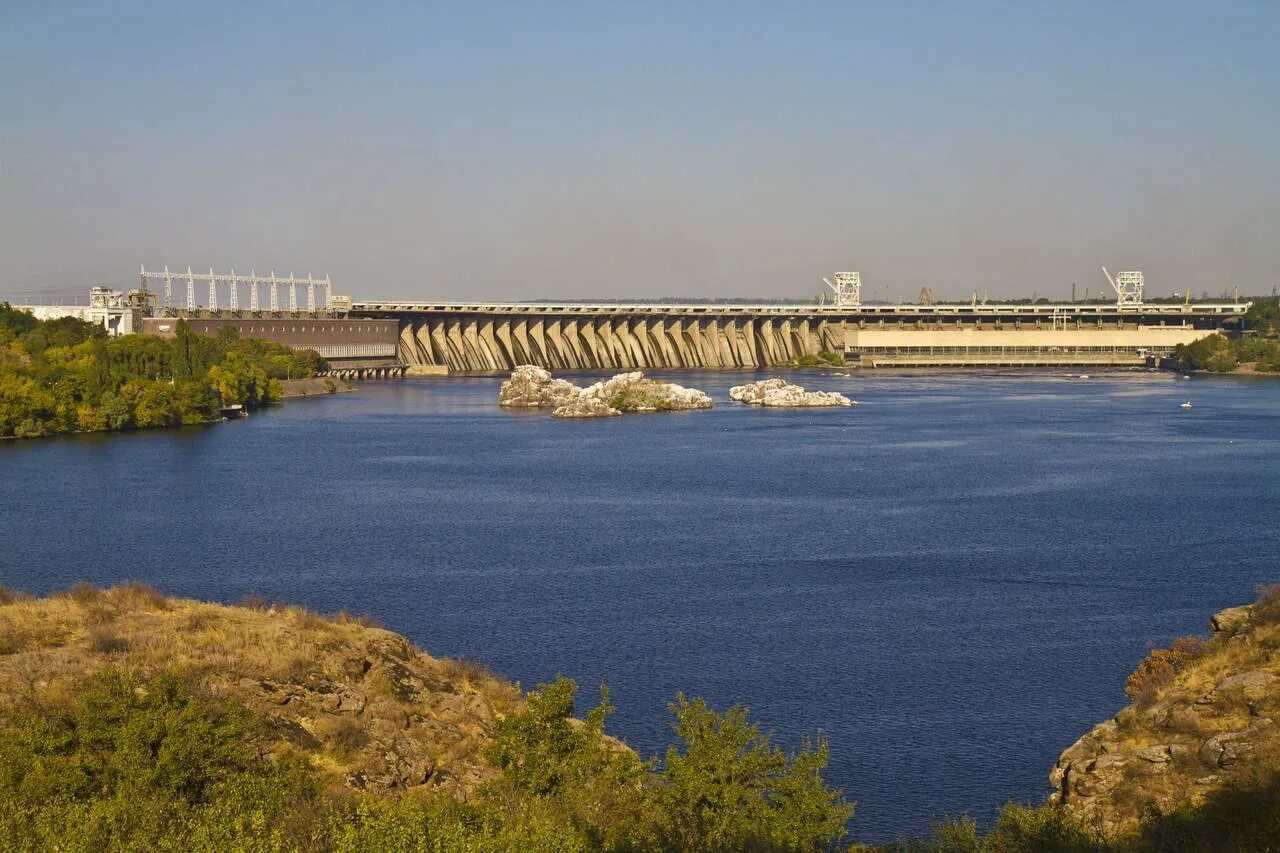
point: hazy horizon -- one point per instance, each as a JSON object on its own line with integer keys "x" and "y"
{"x": 502, "y": 151}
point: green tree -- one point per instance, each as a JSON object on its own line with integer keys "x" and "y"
{"x": 732, "y": 788}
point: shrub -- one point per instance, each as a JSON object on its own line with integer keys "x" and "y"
{"x": 84, "y": 593}
{"x": 1159, "y": 667}
{"x": 105, "y": 640}
{"x": 9, "y": 596}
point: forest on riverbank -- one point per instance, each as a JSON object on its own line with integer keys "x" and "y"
{"x": 66, "y": 375}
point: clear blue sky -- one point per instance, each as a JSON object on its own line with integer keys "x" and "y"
{"x": 708, "y": 149}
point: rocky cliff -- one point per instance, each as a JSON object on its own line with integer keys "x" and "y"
{"x": 365, "y": 708}
{"x": 1203, "y": 722}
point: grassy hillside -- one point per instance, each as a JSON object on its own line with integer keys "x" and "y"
{"x": 134, "y": 721}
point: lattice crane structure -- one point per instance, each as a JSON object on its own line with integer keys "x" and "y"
{"x": 847, "y": 289}
{"x": 1127, "y": 285}
{"x": 232, "y": 283}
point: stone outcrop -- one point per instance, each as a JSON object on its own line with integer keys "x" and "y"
{"x": 1208, "y": 723}
{"x": 782, "y": 394}
{"x": 533, "y": 387}
{"x": 357, "y": 702}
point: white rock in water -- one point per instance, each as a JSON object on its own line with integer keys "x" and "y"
{"x": 778, "y": 393}
{"x": 532, "y": 387}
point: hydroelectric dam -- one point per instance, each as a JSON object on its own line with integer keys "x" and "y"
{"x": 467, "y": 337}
{"x": 446, "y": 336}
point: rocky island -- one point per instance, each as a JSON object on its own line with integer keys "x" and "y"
{"x": 779, "y": 393}
{"x": 534, "y": 387}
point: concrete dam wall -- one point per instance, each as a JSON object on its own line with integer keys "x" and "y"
{"x": 501, "y": 343}
{"x": 476, "y": 337}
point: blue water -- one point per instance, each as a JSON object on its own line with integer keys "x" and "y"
{"x": 949, "y": 582}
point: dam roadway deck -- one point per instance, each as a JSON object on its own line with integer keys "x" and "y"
{"x": 489, "y": 336}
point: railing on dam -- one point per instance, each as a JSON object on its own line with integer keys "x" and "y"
{"x": 1091, "y": 310}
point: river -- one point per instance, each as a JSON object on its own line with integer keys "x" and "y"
{"x": 948, "y": 582}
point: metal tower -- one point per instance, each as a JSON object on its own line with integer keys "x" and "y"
{"x": 847, "y": 289}
{"x": 311, "y": 293}
{"x": 275, "y": 294}
{"x": 213, "y": 291}
{"x": 253, "y": 291}
{"x": 293, "y": 293}
{"x": 1127, "y": 285}
{"x": 191, "y": 290}
{"x": 235, "y": 291}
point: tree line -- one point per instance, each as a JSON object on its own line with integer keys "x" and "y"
{"x": 67, "y": 375}
{"x": 1258, "y": 345}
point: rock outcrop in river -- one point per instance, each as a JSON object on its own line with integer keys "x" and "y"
{"x": 782, "y": 394}
{"x": 533, "y": 387}
{"x": 1203, "y": 723}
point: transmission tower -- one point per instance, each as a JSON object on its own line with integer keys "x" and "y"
{"x": 213, "y": 291}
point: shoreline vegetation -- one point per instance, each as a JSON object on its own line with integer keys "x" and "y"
{"x": 1255, "y": 351}
{"x": 66, "y": 376}
{"x": 133, "y": 720}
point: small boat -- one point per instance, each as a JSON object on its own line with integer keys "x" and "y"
{"x": 1185, "y": 405}
{"x": 1083, "y": 376}
{"x": 1185, "y": 376}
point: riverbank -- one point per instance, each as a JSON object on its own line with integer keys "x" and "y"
{"x": 316, "y": 386}
{"x": 132, "y": 720}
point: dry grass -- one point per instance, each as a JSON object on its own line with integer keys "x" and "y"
{"x": 288, "y": 664}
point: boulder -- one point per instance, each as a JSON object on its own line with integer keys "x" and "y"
{"x": 531, "y": 387}
{"x": 1231, "y": 620}
{"x": 1251, "y": 686}
{"x": 778, "y": 393}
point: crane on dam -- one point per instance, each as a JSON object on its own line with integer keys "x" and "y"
{"x": 1127, "y": 285}
{"x": 847, "y": 290}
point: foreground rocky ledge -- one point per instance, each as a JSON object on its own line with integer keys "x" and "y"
{"x": 324, "y": 685}
{"x": 778, "y": 393}
{"x": 1203, "y": 722}
{"x": 534, "y": 387}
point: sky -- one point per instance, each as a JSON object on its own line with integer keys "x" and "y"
{"x": 701, "y": 149}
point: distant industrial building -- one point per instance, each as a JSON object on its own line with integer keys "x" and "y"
{"x": 118, "y": 312}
